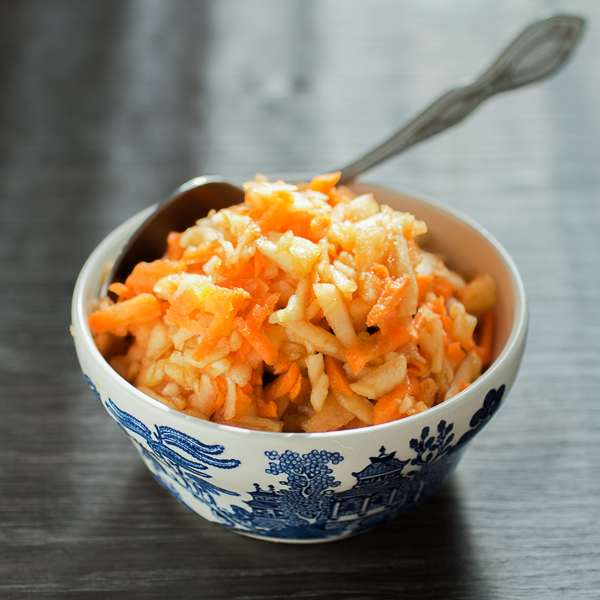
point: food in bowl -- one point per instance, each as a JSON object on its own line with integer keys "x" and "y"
{"x": 314, "y": 487}
{"x": 306, "y": 309}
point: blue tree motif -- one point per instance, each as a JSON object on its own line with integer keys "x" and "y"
{"x": 308, "y": 479}
{"x": 491, "y": 404}
{"x": 429, "y": 449}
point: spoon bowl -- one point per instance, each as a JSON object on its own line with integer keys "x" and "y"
{"x": 190, "y": 202}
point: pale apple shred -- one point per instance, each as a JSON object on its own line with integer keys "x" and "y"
{"x": 304, "y": 309}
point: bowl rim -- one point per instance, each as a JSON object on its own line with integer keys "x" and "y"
{"x": 516, "y": 337}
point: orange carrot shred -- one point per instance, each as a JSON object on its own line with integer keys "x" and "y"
{"x": 260, "y": 341}
{"x": 255, "y": 287}
{"x": 243, "y": 350}
{"x": 448, "y": 324}
{"x": 455, "y": 352}
{"x": 174, "y": 250}
{"x": 443, "y": 287}
{"x": 487, "y": 337}
{"x": 144, "y": 276}
{"x": 261, "y": 310}
{"x": 221, "y": 391}
{"x": 437, "y": 306}
{"x": 389, "y": 298}
{"x": 325, "y": 183}
{"x": 267, "y": 409}
{"x": 219, "y": 327}
{"x": 242, "y": 403}
{"x": 468, "y": 345}
{"x": 296, "y": 387}
{"x": 386, "y": 411}
{"x": 260, "y": 262}
{"x": 374, "y": 346}
{"x": 282, "y": 385}
{"x": 121, "y": 290}
{"x": 337, "y": 377}
{"x": 387, "y": 408}
{"x": 281, "y": 366}
{"x": 380, "y": 271}
{"x": 423, "y": 284}
{"x": 140, "y": 309}
{"x": 273, "y": 217}
{"x": 198, "y": 256}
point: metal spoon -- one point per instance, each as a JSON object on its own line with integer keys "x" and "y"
{"x": 534, "y": 54}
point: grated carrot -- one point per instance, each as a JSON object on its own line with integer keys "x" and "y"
{"x": 274, "y": 217}
{"x": 121, "y": 290}
{"x": 267, "y": 409}
{"x": 423, "y": 284}
{"x": 455, "y": 352}
{"x": 486, "y": 342}
{"x": 116, "y": 318}
{"x": 254, "y": 286}
{"x": 325, "y": 183}
{"x": 295, "y": 391}
{"x": 220, "y": 326}
{"x": 443, "y": 287}
{"x": 221, "y": 391}
{"x": 282, "y": 385}
{"x": 381, "y": 272}
{"x": 375, "y": 346}
{"x": 260, "y": 341}
{"x": 337, "y": 377}
{"x": 144, "y": 276}
{"x": 261, "y": 310}
{"x": 387, "y": 408}
{"x": 174, "y": 250}
{"x": 389, "y": 298}
{"x": 242, "y": 403}
{"x": 240, "y": 301}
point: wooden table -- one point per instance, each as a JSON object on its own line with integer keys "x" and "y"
{"x": 107, "y": 106}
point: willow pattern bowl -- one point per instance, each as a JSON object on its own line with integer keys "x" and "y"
{"x": 317, "y": 487}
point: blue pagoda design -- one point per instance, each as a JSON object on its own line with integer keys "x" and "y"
{"x": 265, "y": 506}
{"x": 383, "y": 489}
{"x": 379, "y": 485}
{"x": 306, "y": 505}
{"x": 309, "y": 508}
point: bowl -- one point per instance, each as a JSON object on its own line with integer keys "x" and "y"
{"x": 314, "y": 487}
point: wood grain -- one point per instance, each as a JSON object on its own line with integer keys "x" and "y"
{"x": 105, "y": 107}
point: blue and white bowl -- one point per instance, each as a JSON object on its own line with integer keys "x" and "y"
{"x": 315, "y": 487}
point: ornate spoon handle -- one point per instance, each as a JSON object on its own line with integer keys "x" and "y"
{"x": 536, "y": 53}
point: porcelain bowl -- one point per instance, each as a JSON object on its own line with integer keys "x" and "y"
{"x": 317, "y": 487}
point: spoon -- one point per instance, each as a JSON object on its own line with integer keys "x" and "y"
{"x": 534, "y": 54}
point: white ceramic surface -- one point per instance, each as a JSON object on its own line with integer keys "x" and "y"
{"x": 315, "y": 487}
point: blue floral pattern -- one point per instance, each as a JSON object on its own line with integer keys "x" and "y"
{"x": 306, "y": 504}
{"x": 491, "y": 404}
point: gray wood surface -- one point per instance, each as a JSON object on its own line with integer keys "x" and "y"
{"x": 107, "y": 106}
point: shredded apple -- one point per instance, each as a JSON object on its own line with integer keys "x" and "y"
{"x": 306, "y": 308}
